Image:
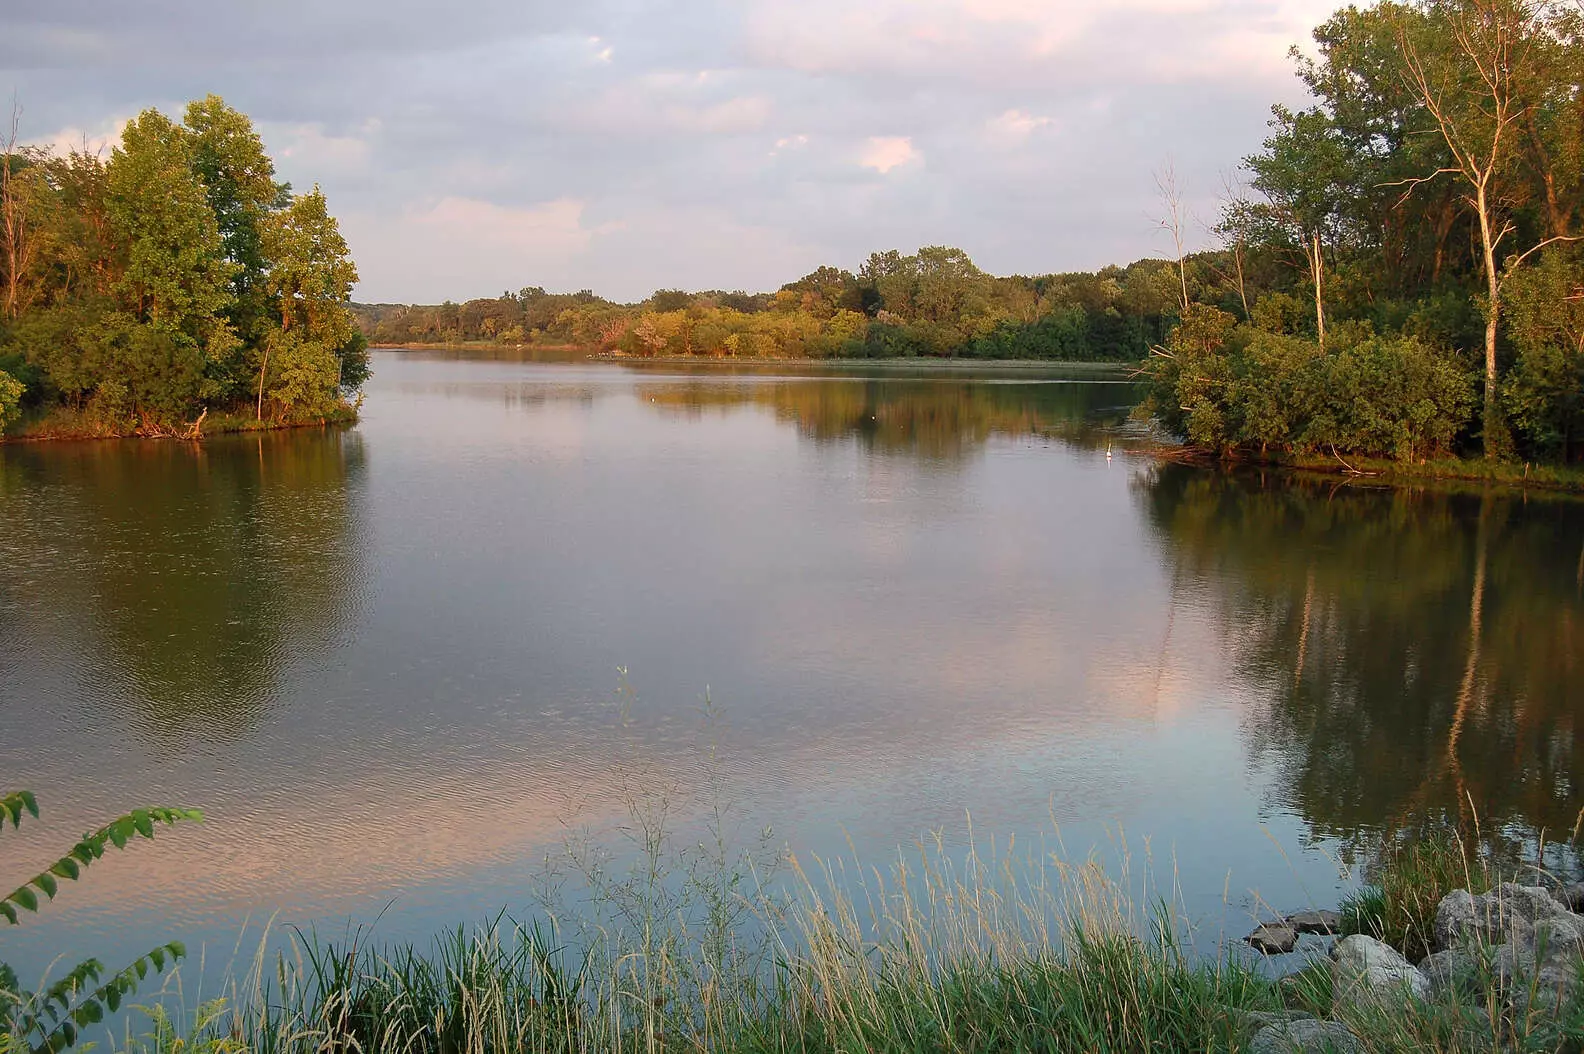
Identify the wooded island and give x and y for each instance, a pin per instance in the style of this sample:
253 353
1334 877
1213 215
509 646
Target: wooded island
175 283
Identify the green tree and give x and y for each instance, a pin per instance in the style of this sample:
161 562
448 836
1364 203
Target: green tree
309 283
170 340
239 181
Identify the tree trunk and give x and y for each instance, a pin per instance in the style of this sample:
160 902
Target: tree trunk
1317 271
1493 431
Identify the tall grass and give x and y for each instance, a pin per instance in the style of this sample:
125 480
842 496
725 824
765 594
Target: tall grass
945 951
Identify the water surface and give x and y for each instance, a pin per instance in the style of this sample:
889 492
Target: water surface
385 661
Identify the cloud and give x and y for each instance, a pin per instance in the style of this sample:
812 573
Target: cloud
1016 125
883 153
766 124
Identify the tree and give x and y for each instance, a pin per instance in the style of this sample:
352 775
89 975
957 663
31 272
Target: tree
239 182
308 283
170 336
1300 174
19 241
1470 78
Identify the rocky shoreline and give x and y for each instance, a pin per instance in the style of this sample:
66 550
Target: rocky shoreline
1517 951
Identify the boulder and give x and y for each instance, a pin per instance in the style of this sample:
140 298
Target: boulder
1321 922
1571 895
1490 919
1273 938
1365 971
1306 1037
1451 972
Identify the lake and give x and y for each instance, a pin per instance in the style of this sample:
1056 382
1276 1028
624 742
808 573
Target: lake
860 606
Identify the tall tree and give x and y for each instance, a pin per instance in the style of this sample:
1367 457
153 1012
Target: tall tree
1470 76
172 338
239 181
309 282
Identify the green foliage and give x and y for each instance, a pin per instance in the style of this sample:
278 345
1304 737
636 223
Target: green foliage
1409 881
935 303
11 391
1545 389
1360 234
54 1019
154 281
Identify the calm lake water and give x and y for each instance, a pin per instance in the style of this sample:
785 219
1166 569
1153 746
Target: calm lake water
385 662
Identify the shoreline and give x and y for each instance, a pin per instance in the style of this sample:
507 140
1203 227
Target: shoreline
1471 473
43 432
898 362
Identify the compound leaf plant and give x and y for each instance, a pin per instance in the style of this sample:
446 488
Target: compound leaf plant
54 1019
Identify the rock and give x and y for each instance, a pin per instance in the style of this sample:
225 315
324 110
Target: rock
1306 1037
1512 966
1529 902
1367 971
1322 922
1559 938
1251 1021
1572 895
1487 920
1451 972
1273 938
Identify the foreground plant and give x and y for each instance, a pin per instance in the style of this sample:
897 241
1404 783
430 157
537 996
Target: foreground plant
53 1019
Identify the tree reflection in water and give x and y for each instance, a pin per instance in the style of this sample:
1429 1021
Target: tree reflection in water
1418 652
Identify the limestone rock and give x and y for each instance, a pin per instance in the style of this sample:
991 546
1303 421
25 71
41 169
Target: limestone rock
1306 1037
1367 971
1273 938
1321 922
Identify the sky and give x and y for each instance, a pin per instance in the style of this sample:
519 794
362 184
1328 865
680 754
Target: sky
628 145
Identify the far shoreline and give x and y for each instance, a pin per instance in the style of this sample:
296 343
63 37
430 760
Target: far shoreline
897 362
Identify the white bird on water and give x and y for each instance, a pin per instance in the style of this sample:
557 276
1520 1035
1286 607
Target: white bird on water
1108 450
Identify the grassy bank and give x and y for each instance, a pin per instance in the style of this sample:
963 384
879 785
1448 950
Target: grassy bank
945 951
62 423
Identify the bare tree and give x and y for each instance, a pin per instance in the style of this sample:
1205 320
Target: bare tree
1233 233
18 243
1173 222
1472 93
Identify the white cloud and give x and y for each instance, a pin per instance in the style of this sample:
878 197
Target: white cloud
886 152
734 144
1015 125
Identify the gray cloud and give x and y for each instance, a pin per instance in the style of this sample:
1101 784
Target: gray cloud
625 145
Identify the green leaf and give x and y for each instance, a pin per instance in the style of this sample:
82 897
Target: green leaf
26 898
46 884
66 867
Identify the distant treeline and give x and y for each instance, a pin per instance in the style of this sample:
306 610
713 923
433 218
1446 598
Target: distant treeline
173 281
934 302
1406 263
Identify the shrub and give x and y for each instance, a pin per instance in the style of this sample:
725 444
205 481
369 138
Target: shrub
10 399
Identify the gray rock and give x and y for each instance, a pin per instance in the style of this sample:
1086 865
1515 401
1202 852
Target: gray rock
1529 902
1559 938
1512 966
1254 1020
1572 895
1273 938
1487 920
1365 971
1451 972
1321 922
1306 1037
